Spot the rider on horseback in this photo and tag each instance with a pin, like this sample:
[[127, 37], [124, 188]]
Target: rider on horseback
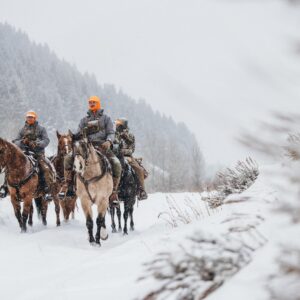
[[34, 138], [100, 132], [126, 141]]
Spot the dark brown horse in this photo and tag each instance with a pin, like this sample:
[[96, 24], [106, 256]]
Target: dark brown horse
[[22, 180], [65, 145]]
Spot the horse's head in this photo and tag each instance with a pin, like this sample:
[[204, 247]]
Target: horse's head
[[81, 155], [65, 142]]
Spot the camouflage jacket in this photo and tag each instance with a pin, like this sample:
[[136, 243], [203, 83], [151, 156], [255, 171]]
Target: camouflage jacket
[[35, 133], [126, 141], [99, 127]]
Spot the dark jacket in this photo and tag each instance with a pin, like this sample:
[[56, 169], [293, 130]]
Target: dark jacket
[[35, 133], [99, 127]]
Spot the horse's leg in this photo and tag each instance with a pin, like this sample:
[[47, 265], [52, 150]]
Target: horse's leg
[[73, 206], [30, 215], [112, 215], [63, 207], [44, 209], [87, 208], [131, 218], [101, 227], [119, 218], [57, 209], [125, 215], [17, 208], [38, 204], [26, 211]]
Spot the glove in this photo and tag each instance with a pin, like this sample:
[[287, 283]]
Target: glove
[[106, 145], [25, 141], [32, 145]]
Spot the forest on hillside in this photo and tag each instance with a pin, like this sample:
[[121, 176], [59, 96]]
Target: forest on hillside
[[33, 77]]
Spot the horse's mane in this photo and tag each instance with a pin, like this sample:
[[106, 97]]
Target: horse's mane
[[12, 146]]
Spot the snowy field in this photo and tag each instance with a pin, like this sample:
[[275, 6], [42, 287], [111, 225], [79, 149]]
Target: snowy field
[[58, 263]]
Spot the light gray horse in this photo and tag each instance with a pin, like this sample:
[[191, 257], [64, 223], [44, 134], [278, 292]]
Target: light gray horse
[[94, 186]]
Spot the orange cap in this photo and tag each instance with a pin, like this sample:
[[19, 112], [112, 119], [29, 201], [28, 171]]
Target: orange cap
[[32, 114], [98, 103]]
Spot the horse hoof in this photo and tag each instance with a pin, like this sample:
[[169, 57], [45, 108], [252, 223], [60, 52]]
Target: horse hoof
[[92, 241], [114, 230], [103, 234], [30, 224], [45, 223], [98, 243], [120, 229], [125, 232], [57, 224], [132, 228]]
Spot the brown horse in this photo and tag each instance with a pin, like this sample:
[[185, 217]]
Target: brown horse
[[65, 145], [22, 180]]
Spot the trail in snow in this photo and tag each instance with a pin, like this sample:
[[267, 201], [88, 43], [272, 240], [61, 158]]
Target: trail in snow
[[58, 262]]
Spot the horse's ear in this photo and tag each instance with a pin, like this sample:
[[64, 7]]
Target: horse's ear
[[58, 134], [71, 134]]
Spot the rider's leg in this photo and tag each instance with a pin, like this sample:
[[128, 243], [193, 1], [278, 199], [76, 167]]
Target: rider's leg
[[116, 170], [139, 171]]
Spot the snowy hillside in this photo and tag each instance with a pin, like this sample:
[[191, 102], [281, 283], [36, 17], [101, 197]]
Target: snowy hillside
[[58, 263]]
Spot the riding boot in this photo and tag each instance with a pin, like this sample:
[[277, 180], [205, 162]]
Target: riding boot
[[114, 199], [4, 190], [142, 194]]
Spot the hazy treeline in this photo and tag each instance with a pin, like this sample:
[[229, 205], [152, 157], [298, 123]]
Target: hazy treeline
[[32, 77]]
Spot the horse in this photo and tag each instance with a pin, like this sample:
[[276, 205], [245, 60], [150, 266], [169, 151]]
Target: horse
[[64, 147], [128, 190], [94, 186], [22, 179], [67, 204]]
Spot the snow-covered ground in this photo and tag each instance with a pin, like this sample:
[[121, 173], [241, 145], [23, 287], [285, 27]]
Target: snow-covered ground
[[58, 263]]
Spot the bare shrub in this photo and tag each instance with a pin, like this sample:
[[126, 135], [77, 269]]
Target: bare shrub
[[184, 212], [195, 270], [233, 181]]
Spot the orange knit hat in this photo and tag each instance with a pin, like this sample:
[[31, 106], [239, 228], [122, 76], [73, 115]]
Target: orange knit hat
[[94, 103]]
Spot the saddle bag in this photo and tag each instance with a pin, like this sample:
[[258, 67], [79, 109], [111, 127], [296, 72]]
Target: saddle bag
[[139, 161]]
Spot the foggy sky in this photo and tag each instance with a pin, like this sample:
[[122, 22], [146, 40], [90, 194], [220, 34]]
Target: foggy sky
[[219, 66]]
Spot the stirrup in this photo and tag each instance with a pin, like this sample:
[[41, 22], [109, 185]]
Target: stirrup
[[114, 199], [48, 197]]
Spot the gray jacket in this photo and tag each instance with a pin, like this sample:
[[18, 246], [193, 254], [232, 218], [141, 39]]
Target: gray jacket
[[36, 133], [99, 127]]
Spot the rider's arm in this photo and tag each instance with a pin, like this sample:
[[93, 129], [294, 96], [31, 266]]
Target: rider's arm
[[44, 141], [109, 129]]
